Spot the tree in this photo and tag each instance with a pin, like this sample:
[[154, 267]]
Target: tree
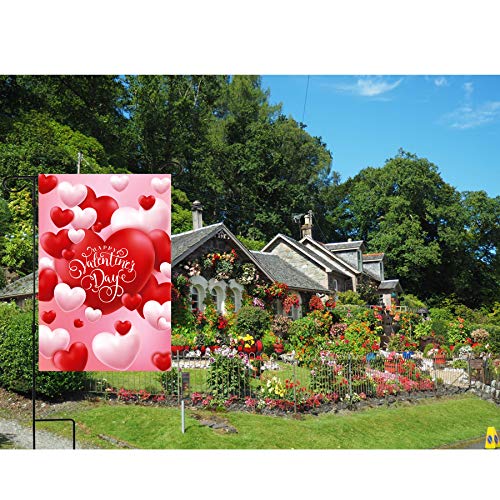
[[181, 212]]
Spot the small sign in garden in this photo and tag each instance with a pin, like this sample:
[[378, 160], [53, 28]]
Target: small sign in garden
[[104, 272]]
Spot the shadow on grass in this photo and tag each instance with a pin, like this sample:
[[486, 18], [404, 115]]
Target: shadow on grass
[[6, 441]]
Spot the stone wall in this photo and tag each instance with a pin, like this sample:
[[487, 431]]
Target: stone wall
[[374, 268], [303, 264], [349, 256], [486, 391]]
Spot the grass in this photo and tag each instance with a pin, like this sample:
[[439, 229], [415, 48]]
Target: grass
[[429, 424]]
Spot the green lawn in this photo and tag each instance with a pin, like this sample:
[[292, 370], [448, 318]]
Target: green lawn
[[428, 424]]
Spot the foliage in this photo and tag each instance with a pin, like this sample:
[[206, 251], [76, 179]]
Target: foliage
[[412, 301], [253, 321], [228, 373], [280, 326], [181, 212], [367, 290], [350, 297], [16, 359], [169, 381]]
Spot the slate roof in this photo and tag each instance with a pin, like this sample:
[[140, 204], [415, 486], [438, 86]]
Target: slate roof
[[344, 245], [19, 288], [285, 273], [181, 243], [389, 285], [373, 257]]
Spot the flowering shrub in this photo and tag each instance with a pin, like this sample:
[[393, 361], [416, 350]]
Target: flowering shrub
[[247, 274], [290, 301], [228, 372], [252, 321], [316, 304], [280, 326]]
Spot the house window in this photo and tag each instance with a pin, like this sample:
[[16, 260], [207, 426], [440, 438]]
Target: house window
[[195, 299], [296, 311]]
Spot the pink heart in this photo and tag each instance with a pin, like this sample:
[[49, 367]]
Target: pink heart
[[119, 182], [51, 341], [158, 316], [165, 269], [45, 262], [71, 195], [160, 185], [93, 314], [67, 298], [85, 218], [158, 216], [115, 350], [76, 235]]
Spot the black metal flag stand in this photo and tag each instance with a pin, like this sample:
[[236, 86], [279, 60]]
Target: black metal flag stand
[[33, 179]]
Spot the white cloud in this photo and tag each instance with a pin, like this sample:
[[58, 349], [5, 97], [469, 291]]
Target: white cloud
[[441, 81], [469, 88], [468, 116], [369, 87]]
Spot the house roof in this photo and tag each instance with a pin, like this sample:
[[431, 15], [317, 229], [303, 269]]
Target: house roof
[[330, 256], [389, 285], [345, 245], [184, 244], [373, 257], [283, 272], [371, 274], [301, 248], [20, 288]]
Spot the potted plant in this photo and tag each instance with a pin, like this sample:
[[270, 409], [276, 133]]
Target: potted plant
[[391, 363]]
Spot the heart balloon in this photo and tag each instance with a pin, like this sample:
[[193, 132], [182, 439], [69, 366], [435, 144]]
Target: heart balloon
[[162, 361], [54, 244], [51, 341], [104, 206], [154, 291], [115, 350], [72, 360], [48, 316], [61, 217], [46, 183], [47, 281], [161, 242], [107, 270]]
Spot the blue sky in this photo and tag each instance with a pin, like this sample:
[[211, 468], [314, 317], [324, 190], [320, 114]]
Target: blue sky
[[454, 121]]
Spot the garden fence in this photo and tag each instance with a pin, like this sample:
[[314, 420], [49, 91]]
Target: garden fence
[[344, 377]]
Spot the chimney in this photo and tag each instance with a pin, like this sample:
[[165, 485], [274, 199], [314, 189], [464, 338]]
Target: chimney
[[197, 211], [306, 229]]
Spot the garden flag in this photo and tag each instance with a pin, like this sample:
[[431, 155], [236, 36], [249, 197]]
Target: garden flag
[[104, 272]]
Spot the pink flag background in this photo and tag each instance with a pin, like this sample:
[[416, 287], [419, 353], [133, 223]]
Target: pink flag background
[[104, 272]]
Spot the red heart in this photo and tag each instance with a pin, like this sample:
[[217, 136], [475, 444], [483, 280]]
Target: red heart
[[161, 242], [153, 291], [78, 323], [97, 227], [47, 281], [163, 361], [72, 360], [125, 259], [68, 254], [131, 301], [61, 217], [48, 316], [46, 183], [147, 202], [54, 244], [123, 327], [104, 206]]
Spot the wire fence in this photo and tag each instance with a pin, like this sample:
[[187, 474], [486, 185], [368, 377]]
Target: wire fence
[[346, 378]]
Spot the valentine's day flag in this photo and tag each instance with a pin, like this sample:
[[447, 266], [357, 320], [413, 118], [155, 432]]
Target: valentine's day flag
[[104, 272]]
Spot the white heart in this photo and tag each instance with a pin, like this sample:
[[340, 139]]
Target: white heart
[[51, 341], [119, 182], [84, 219], [163, 324], [115, 350], [67, 298], [166, 269], [76, 235], [157, 217], [154, 312], [45, 262], [160, 185], [72, 195], [93, 314]]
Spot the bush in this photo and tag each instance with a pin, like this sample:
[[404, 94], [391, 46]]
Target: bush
[[228, 374], [412, 302], [169, 381], [253, 321], [350, 297], [16, 360], [494, 338]]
